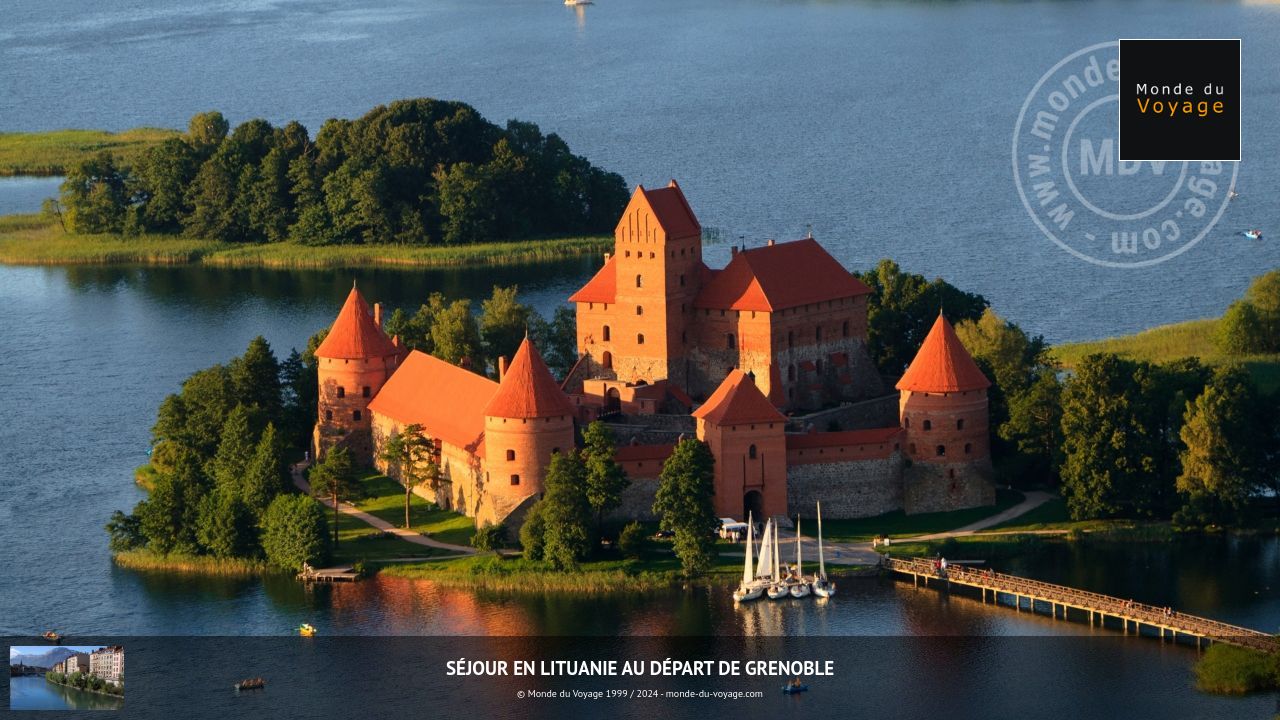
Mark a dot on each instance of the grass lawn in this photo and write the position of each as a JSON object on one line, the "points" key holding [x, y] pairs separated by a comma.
{"points": [[51, 153], [1172, 342], [1049, 516], [898, 524], [35, 240], [384, 498]]}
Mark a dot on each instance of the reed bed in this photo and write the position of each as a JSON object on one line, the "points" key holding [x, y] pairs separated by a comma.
{"points": [[516, 575], [148, 561], [51, 153]]}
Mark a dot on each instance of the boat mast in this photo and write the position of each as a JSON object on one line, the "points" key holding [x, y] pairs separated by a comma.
{"points": [[822, 565], [746, 569], [777, 569], [799, 561]]}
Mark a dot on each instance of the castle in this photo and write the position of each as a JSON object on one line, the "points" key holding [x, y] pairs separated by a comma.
{"points": [[765, 360]]}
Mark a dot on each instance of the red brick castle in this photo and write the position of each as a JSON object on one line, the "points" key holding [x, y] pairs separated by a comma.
{"points": [[765, 360]]}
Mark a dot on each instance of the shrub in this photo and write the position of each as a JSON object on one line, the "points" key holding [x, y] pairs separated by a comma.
{"points": [[490, 537], [532, 531], [632, 540], [294, 532], [1231, 670]]}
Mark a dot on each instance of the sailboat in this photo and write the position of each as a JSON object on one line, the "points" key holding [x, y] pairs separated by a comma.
{"points": [[821, 587], [777, 589], [799, 588], [750, 589]]}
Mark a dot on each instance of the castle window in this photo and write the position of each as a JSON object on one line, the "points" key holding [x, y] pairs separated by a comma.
{"points": [[942, 450], [721, 313], [928, 424], [960, 424], [342, 392], [328, 414], [968, 448], [606, 333], [638, 281], [751, 452], [951, 474], [355, 414], [364, 391], [817, 333], [639, 310], [730, 341], [628, 253], [682, 280], [511, 455], [844, 328], [640, 339], [651, 255], [606, 360], [515, 479]]}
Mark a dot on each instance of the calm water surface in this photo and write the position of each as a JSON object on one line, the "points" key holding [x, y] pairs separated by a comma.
{"points": [[35, 693]]}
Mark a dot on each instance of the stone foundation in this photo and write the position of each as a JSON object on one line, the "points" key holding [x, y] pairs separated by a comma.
{"points": [[849, 489], [943, 487]]}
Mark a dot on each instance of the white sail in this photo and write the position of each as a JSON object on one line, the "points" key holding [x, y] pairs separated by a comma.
{"points": [[822, 565], [765, 566], [746, 569], [777, 564], [799, 569]]}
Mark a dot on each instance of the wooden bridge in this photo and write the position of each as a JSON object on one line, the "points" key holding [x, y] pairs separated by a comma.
{"points": [[1099, 607]]}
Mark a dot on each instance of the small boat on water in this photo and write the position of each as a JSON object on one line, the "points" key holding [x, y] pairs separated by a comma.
{"points": [[799, 586], [1254, 234], [306, 630], [251, 684], [750, 588], [793, 687], [821, 586], [578, 2], [777, 588], [52, 636]]}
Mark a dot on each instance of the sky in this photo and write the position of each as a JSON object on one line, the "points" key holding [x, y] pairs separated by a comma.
{"points": [[16, 650]]}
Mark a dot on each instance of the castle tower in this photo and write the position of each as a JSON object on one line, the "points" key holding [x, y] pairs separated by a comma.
{"points": [[633, 316], [943, 408], [745, 433], [354, 361], [528, 419]]}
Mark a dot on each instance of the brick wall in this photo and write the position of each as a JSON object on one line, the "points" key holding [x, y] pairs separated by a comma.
{"points": [[939, 487]]}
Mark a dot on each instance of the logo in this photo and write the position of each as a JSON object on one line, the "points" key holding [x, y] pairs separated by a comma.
{"points": [[1082, 196]]}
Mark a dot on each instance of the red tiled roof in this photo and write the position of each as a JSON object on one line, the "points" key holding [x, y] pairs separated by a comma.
{"points": [[738, 401], [527, 389], [626, 453], [602, 287], [874, 436], [354, 335], [446, 400], [671, 210], [777, 277], [943, 364]]}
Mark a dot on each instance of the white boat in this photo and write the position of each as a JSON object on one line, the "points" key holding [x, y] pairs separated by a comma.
{"points": [[799, 587], [1253, 234], [750, 589], [578, 2], [777, 588], [821, 586]]}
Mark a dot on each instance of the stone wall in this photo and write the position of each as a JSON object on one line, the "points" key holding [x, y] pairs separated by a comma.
{"points": [[849, 489], [938, 487], [874, 413], [637, 500]]}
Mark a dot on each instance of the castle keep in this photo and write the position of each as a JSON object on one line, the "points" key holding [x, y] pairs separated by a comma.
{"points": [[765, 360]]}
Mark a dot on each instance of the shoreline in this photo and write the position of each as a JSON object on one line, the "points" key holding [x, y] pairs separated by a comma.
{"points": [[148, 561], [33, 241], [95, 692]]}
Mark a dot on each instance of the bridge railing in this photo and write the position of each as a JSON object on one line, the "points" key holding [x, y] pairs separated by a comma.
{"points": [[1150, 614]]}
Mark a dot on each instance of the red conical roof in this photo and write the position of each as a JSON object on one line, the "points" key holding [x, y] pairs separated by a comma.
{"points": [[527, 389], [738, 402], [354, 334], [942, 364]]}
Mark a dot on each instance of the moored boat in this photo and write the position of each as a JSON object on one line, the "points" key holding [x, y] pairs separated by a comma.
{"points": [[750, 588], [799, 586], [777, 588], [821, 586]]}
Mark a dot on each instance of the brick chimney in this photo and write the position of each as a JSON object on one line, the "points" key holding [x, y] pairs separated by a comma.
{"points": [[502, 367], [377, 314]]}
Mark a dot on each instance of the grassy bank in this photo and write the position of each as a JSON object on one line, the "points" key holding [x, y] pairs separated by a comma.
{"points": [[1228, 670], [1167, 343], [51, 153], [898, 524], [34, 240], [384, 499], [147, 560]]}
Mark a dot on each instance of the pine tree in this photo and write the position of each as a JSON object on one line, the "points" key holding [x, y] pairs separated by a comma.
{"points": [[225, 526], [235, 449], [265, 475], [335, 477], [255, 377]]}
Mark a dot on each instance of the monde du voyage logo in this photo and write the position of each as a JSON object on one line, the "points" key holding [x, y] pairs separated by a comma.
{"points": [[1129, 169]]}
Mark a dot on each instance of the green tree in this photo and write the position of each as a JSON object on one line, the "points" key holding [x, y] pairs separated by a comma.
{"points": [[684, 503], [1034, 426], [168, 517], [533, 532], [96, 195], [504, 322], [236, 446], [1225, 460], [632, 540], [225, 526], [565, 512], [902, 308], [255, 377], [455, 336], [335, 477], [162, 176], [194, 418], [605, 478], [125, 531], [468, 196], [206, 131], [1013, 356], [557, 339], [265, 476], [415, 330], [1242, 330], [489, 538], [410, 458], [294, 533]]}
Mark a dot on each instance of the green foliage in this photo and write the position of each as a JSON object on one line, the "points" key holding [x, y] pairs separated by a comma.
{"points": [[684, 502], [455, 334], [557, 339], [533, 532], [565, 512], [1241, 330], [168, 517], [415, 171], [265, 474], [335, 475], [236, 446], [490, 537], [255, 376], [410, 458], [633, 540], [1034, 427], [504, 322], [125, 531], [294, 532], [605, 478], [226, 526], [903, 307], [1229, 670]]}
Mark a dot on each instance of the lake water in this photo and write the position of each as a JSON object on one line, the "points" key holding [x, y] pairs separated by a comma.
{"points": [[886, 125]]}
